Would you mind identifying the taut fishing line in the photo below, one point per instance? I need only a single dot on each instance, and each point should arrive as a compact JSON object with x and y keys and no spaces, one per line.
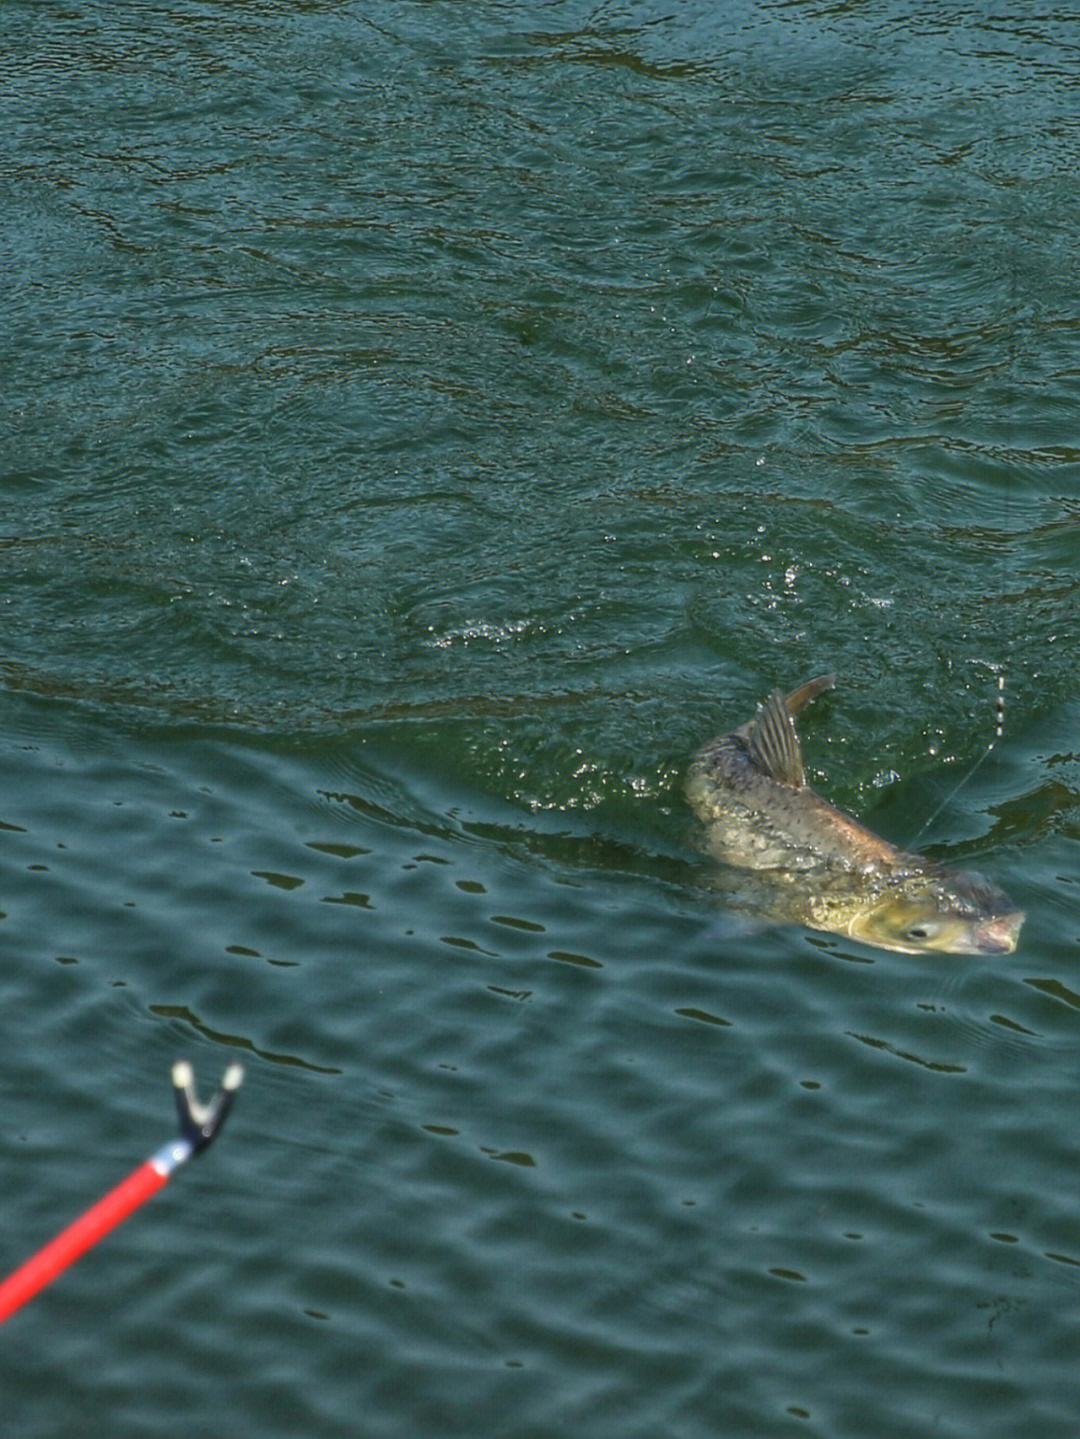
{"x":999,"y":669}
{"x":999,"y":730}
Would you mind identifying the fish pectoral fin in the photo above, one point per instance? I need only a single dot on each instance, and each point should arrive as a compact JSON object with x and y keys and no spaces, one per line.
{"x":797,"y":699}
{"x":774,"y":744}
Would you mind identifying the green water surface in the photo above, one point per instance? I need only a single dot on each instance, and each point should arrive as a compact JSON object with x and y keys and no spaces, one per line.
{"x":424,"y":424}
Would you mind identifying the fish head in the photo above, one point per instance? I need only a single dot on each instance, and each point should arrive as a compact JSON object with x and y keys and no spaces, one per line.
{"x":947,"y":912}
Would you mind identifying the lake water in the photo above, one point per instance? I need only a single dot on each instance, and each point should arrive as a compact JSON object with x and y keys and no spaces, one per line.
{"x":424,"y":424}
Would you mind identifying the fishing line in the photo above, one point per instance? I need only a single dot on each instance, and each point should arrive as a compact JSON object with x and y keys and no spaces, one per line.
{"x":999,"y":698}
{"x":999,"y":730}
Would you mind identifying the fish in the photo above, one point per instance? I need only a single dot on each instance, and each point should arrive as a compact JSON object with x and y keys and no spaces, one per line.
{"x":810,"y":863}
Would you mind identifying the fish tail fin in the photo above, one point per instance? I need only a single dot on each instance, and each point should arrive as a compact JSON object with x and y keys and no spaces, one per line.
{"x":800,"y":698}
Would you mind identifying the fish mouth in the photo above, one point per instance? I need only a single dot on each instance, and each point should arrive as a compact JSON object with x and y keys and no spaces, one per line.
{"x":999,"y":935}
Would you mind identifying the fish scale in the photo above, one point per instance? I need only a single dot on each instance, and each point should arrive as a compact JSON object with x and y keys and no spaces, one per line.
{"x":817,"y":865}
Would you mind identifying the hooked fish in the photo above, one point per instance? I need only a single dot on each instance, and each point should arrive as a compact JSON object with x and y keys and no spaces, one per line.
{"x":815,"y":865}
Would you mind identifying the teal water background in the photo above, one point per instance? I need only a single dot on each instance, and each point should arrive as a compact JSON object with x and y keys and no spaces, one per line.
{"x":424,"y":424}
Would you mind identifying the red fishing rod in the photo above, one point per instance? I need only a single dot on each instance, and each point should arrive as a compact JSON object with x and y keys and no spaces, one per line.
{"x":200,"y":1124}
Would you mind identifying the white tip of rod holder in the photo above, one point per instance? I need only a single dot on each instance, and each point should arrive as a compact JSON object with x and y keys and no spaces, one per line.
{"x":201,"y":1123}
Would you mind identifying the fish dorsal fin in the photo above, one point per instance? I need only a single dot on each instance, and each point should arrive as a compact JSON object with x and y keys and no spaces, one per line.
{"x":774,"y":744}
{"x":797,"y":699}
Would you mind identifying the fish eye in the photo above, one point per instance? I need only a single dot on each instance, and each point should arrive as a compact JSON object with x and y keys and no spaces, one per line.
{"x":918,"y":931}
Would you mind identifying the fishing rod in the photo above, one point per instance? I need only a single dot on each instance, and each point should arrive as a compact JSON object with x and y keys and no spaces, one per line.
{"x":200,"y":1124}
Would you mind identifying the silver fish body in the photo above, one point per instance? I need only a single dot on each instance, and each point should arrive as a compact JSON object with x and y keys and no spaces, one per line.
{"x":812,"y":864}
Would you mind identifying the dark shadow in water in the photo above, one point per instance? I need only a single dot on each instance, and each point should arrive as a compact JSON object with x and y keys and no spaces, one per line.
{"x":185,"y":1016}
